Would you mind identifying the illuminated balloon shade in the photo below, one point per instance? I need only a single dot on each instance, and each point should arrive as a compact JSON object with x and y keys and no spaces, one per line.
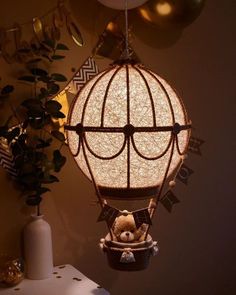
{"x":128,"y":131}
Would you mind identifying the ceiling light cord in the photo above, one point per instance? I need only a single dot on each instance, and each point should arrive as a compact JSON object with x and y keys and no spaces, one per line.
{"x":126,"y":31}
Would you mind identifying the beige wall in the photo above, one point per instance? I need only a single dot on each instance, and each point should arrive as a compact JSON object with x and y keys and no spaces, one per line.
{"x":197,"y":240}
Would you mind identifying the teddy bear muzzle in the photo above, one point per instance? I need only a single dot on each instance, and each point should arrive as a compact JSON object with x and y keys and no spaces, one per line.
{"x":127,"y":236}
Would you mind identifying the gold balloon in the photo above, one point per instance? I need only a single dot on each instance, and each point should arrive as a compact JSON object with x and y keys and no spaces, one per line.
{"x":169,"y":13}
{"x":11,"y":272}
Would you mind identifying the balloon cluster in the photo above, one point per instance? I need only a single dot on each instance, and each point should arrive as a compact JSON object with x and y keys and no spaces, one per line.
{"x":167,"y":13}
{"x":165,"y":19}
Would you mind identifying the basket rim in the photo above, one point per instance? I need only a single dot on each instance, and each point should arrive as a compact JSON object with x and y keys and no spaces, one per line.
{"x":119,"y":246}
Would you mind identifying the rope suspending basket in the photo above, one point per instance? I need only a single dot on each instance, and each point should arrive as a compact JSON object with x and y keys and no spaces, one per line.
{"x":128,"y":132}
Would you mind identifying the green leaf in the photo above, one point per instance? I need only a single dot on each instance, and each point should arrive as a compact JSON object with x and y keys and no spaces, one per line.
{"x":49,"y":179}
{"x":42,"y":190}
{"x":25,"y":124}
{"x":47,"y":57}
{"x":59,"y":135}
{"x":58,"y":115}
{"x":38,"y":72}
{"x":50,"y":43}
{"x":24,"y":50}
{"x":19,"y":159}
{"x":3,"y":131}
{"x":43,"y":91}
{"x":27,"y":168}
{"x":31,"y":79}
{"x":7,"y":90}
{"x":57,"y":57}
{"x":53,"y":88}
{"x":34,"y":106}
{"x":59,"y":160}
{"x":58,"y":77}
{"x":35,"y":60}
{"x":52,"y":106}
{"x":43,"y":143}
{"x":13,"y":134}
{"x":29,"y":179}
{"x":45,"y":79}
{"x":61,"y":46}
{"x":31,"y":102}
{"x":33,"y":200}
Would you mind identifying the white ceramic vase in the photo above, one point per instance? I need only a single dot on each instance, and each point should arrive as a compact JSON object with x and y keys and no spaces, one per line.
{"x":38,"y":248}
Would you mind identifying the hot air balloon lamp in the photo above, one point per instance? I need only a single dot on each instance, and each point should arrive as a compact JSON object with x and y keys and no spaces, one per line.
{"x":128,"y":131}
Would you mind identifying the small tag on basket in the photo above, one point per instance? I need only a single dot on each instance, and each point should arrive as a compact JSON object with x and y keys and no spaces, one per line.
{"x":127,"y":257}
{"x":155,"y":249}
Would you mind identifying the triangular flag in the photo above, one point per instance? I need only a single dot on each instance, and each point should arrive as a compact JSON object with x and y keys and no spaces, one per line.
{"x":184,"y":173}
{"x":194,"y":145}
{"x":6,"y":158}
{"x":88,"y":70}
{"x":168,"y":200}
{"x":142,"y":216}
{"x":108,"y":214}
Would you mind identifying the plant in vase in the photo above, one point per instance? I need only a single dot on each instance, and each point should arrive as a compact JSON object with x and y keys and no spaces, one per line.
{"x":35,"y":143}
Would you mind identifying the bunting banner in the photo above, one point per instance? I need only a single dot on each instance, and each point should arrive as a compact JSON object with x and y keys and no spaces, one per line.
{"x":87,"y":71}
{"x":194,"y":145}
{"x":142,"y":216}
{"x":108,"y":214}
{"x":7,"y":159}
{"x":184,"y":173}
{"x":47,"y":31}
{"x":168,"y":200}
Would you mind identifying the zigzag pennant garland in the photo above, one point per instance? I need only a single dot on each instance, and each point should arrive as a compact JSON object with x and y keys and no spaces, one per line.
{"x":87,"y":71}
{"x":6,"y":158}
{"x":109,"y":214}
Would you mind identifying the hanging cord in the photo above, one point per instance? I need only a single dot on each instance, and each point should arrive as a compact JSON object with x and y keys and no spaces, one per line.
{"x":126,"y":31}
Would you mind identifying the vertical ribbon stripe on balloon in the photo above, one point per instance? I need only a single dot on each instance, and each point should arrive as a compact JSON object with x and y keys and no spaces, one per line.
{"x":142,"y":216}
{"x":6,"y":158}
{"x":168,"y":200}
{"x":108,"y":214}
{"x":88,"y":70}
{"x":184,"y":173}
{"x":194,"y":145}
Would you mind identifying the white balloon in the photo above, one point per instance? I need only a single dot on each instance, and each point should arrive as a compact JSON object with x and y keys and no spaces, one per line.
{"x":120,"y":4}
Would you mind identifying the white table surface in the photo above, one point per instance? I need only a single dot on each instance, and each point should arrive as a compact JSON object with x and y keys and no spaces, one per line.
{"x":66,"y":280}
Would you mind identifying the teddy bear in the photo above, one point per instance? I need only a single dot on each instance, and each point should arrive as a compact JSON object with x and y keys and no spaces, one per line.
{"x":125,"y":230}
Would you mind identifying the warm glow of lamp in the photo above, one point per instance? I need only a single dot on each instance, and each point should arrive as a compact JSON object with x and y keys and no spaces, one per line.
{"x":163,"y":8}
{"x":145,"y":14}
{"x":125,"y":118}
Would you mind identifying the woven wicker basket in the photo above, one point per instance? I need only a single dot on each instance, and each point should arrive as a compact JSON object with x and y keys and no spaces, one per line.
{"x":129,"y":256}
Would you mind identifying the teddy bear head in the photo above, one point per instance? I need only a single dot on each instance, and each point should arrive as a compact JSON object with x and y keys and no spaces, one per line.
{"x":125,"y":230}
